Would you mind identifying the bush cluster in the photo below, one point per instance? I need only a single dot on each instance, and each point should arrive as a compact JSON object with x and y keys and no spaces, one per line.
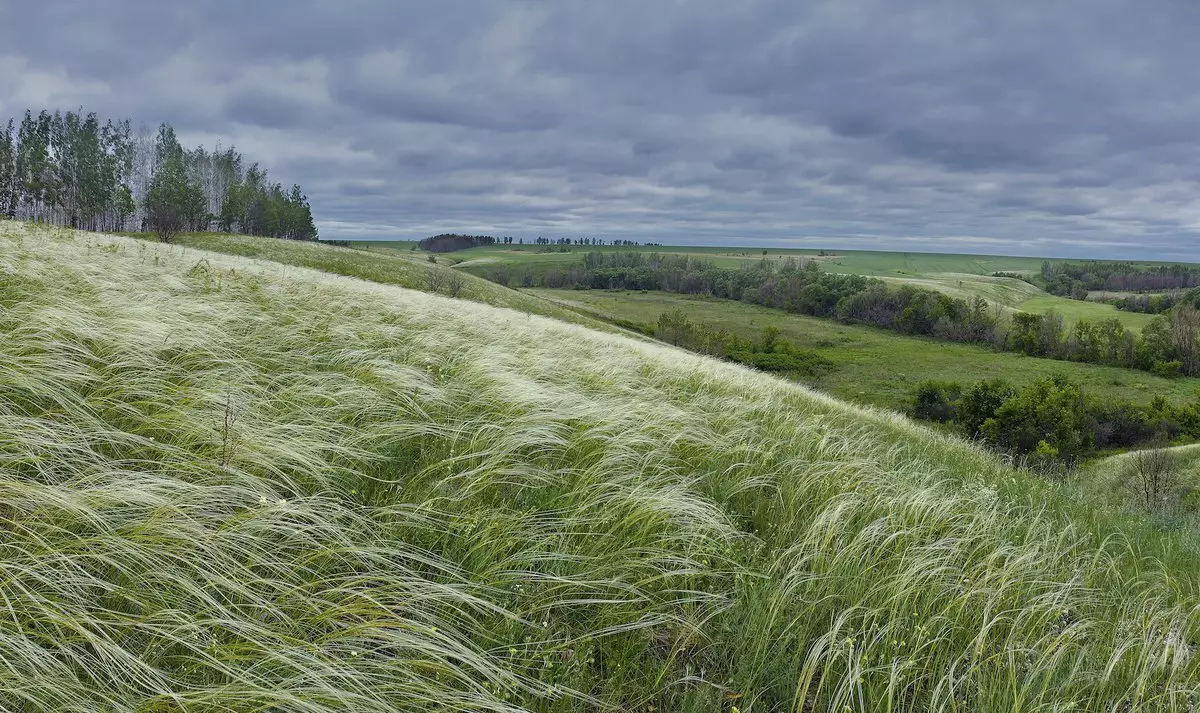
{"x":1050,"y":418}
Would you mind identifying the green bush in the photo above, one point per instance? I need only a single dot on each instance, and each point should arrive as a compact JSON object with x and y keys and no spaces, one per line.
{"x":934,"y":401}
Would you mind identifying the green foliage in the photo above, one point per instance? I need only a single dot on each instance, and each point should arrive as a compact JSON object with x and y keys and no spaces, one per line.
{"x":935,"y":401}
{"x":980,"y":403}
{"x":173,"y":202}
{"x":770,"y":353}
{"x":71,"y":169}
{"x":1050,"y":411}
{"x":1051,"y":418}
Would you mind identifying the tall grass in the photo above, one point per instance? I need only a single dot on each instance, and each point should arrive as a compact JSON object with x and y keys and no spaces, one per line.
{"x":227,"y":485}
{"x":389,"y":268}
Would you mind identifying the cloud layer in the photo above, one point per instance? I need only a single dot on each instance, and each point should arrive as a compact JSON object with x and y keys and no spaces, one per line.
{"x":1020,"y":127}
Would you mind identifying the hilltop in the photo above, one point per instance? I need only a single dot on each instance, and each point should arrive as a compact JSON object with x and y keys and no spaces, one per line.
{"x":233,"y":484}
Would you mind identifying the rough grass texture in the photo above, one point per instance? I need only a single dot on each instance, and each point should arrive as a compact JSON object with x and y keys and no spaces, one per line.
{"x":395,"y":268}
{"x":228,"y":486}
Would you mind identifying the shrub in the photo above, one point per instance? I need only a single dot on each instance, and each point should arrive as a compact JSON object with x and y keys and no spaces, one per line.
{"x":1152,"y":478}
{"x":935,"y":400}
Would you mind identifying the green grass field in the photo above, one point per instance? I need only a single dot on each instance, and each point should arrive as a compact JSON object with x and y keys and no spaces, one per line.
{"x":875,"y":366}
{"x":1075,"y":310}
{"x":228,"y":484}
{"x":963,"y":276}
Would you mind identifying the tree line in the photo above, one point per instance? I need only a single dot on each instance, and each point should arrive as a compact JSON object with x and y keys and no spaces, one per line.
{"x":1051,"y":419}
{"x":1077,"y":279}
{"x":450,"y":242}
{"x":1168,"y":346}
{"x":74,"y":169}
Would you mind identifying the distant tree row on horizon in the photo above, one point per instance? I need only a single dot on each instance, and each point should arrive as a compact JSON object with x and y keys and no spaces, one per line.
{"x":451,"y":242}
{"x":72,"y":169}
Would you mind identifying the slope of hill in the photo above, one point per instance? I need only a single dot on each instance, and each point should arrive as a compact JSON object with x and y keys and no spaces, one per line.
{"x":389,"y":269}
{"x":231,"y":485}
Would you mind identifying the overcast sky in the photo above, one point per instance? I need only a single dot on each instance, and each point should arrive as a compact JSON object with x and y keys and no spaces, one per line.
{"x":1020,"y":127}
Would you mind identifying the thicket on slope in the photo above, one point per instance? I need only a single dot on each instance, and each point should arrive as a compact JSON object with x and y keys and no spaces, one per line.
{"x":230,"y":487}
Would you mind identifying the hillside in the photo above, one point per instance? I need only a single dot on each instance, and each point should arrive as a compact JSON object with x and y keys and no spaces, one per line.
{"x":398,"y":269}
{"x":228,"y":484}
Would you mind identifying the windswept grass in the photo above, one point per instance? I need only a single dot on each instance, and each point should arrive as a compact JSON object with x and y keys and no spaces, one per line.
{"x":228,"y":485}
{"x":397,"y":268}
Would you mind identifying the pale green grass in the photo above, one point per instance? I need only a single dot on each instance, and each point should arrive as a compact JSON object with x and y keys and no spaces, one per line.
{"x":1005,"y":291}
{"x":228,"y":485}
{"x":399,"y":268}
{"x":1075,"y":310}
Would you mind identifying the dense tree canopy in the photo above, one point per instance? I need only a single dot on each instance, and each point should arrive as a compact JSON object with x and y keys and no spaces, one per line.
{"x":70,"y":168}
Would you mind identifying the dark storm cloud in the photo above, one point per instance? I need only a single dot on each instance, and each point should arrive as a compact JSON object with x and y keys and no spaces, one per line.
{"x":1028,"y":126}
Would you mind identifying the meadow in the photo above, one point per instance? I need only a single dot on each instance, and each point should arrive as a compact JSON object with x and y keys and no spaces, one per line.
{"x":229,"y":484}
{"x":873,"y":366}
{"x":958,"y":275}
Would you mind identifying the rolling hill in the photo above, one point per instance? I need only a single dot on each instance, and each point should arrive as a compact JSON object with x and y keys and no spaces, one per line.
{"x":231,"y":484}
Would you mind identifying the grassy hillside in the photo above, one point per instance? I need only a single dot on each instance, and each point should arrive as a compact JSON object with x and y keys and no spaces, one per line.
{"x":400,"y":269}
{"x":231,"y":485}
{"x":874,"y":366}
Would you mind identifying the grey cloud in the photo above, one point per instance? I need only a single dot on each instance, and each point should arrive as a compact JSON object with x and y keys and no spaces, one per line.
{"x":938,"y":125}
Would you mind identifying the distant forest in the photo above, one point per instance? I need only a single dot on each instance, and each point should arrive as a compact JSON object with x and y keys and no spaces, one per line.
{"x":76,"y":170}
{"x":450,"y":242}
{"x":1077,"y":279}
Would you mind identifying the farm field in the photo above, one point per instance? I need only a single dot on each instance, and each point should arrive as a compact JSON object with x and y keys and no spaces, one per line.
{"x":874,"y":366}
{"x":233,"y":484}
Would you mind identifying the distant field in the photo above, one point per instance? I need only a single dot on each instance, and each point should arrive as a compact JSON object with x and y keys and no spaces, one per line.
{"x":958,"y":275}
{"x":876,"y":263}
{"x":1006,"y":291}
{"x":1075,"y":310}
{"x":860,"y":262}
{"x":874,"y":366}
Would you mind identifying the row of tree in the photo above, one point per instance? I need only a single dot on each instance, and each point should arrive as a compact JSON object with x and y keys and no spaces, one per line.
{"x":1076,"y":279}
{"x":1169,"y":346}
{"x":450,"y":242}
{"x":1052,"y":418}
{"x":73,"y":169}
